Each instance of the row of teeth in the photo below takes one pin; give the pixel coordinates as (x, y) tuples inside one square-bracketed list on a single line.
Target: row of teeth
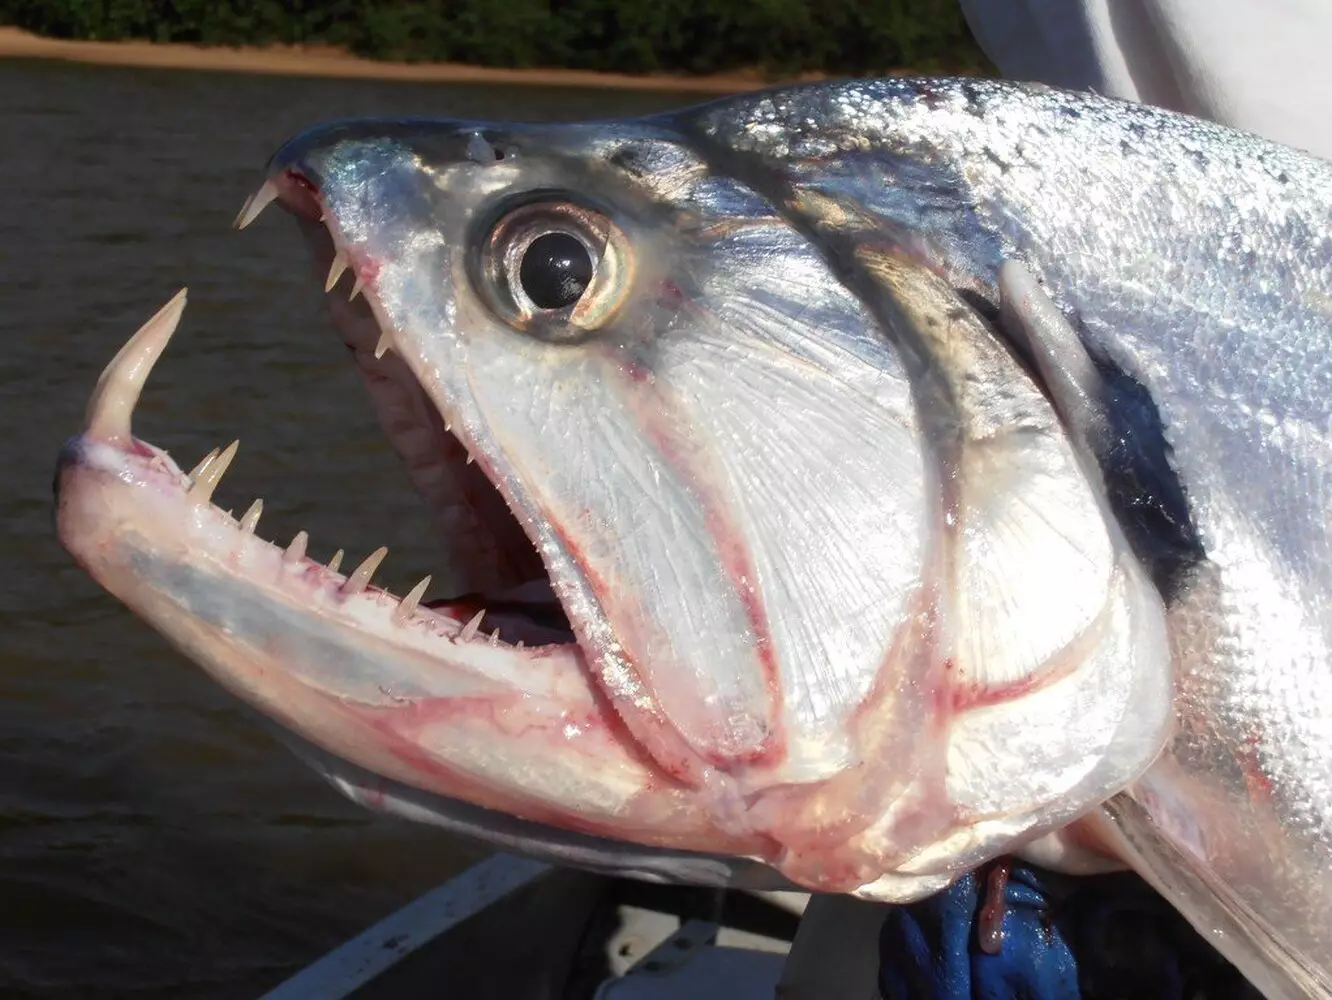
[(257, 202), (204, 478), (108, 419), (357, 582), (264, 197)]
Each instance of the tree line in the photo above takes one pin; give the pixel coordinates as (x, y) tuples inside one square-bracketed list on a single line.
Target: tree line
[(773, 37)]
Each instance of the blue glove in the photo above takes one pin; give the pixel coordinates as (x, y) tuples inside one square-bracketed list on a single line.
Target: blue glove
[(1101, 937)]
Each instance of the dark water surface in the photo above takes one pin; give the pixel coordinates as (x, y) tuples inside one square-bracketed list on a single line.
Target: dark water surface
[(154, 840)]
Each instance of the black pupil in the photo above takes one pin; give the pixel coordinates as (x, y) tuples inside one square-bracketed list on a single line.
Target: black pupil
[(555, 271)]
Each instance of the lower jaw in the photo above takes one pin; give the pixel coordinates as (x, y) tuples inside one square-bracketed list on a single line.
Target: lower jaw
[(137, 502), (428, 702)]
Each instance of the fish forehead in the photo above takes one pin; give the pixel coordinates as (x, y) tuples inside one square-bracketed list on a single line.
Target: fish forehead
[(649, 151)]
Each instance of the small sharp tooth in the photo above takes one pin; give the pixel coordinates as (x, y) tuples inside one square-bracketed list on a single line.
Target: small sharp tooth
[(494, 638), (468, 632), (360, 577), (206, 483), (382, 347), (255, 204), (518, 644), (250, 520), (407, 607), (204, 463), (448, 427), (296, 550), (117, 391), (335, 562), (335, 270), (357, 287), (470, 459)]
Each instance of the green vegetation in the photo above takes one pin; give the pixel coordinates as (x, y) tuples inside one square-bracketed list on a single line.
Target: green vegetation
[(852, 37)]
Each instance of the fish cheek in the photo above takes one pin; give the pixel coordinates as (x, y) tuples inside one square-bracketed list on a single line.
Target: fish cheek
[(1046, 650)]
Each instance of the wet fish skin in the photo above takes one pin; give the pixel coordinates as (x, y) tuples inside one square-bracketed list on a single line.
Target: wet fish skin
[(824, 278), (1197, 262), (1189, 257), (671, 464)]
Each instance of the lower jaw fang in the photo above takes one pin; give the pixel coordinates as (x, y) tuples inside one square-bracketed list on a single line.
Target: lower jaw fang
[(530, 610)]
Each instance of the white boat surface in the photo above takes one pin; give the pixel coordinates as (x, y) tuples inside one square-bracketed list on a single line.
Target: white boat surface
[(513, 928)]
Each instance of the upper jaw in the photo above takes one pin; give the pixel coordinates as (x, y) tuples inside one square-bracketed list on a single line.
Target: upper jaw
[(483, 548), (402, 225), (368, 201)]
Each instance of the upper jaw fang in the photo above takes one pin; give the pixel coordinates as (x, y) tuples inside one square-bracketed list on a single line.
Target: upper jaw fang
[(342, 260), (303, 199), (335, 269), (255, 204)]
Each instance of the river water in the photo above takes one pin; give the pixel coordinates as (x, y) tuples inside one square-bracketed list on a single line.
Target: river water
[(154, 840)]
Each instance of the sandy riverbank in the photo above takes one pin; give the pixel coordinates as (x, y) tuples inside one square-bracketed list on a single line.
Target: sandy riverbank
[(302, 61)]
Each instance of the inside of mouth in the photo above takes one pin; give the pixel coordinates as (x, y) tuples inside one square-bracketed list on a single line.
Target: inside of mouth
[(501, 574), (529, 613), (488, 560), (508, 582)]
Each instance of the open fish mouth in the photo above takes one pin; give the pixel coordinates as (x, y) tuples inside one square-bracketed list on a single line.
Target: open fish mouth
[(495, 666), (760, 543), (505, 601), (528, 612), (303, 640), (500, 586)]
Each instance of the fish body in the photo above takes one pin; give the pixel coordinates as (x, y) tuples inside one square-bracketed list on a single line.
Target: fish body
[(925, 470)]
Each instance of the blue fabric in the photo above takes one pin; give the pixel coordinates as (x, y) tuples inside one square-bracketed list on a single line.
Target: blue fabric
[(1103, 937)]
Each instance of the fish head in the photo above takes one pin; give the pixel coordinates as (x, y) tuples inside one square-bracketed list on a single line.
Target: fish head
[(702, 433), (831, 587)]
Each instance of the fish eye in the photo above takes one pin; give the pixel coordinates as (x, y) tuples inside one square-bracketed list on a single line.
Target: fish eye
[(554, 269)]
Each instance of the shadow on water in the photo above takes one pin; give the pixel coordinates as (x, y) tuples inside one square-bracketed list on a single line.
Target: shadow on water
[(154, 841)]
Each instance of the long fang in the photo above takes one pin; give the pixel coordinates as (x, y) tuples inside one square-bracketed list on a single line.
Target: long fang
[(335, 270)]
